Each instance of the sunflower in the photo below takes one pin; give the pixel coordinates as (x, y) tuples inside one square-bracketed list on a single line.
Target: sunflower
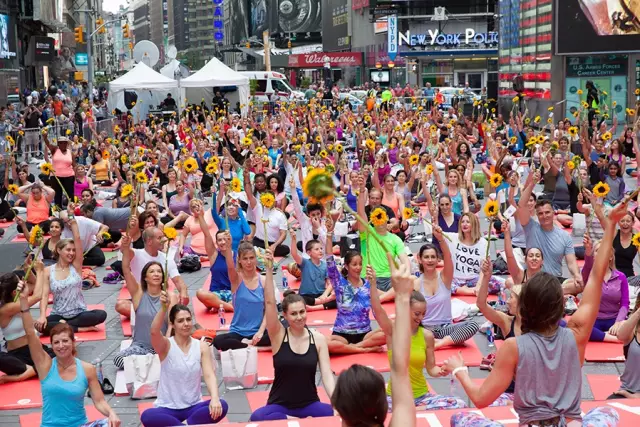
[(379, 217), (36, 234), (636, 240), (318, 138), (190, 165), (318, 185), (550, 109), (515, 99), (614, 104), (138, 166), (550, 120), (332, 125), (323, 154), (527, 121), (215, 129), (13, 189), (429, 169), (584, 104), (409, 124), (142, 178), (407, 213), (577, 160), (573, 131), (297, 147), (10, 139), (46, 169), (106, 155), (211, 168), (126, 190), (367, 118), (339, 148), (601, 189), (631, 112), (491, 209), (236, 185), (170, 233), (571, 165), (267, 200), (106, 235), (513, 139), (433, 129), (51, 121), (140, 151), (606, 136), (579, 92), (413, 160), (124, 159), (555, 145), (496, 180), (370, 143), (537, 119), (246, 141), (532, 141), (259, 151)]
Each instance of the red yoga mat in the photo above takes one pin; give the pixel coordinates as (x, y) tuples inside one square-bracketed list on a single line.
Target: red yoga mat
[(258, 399), (603, 386), (470, 353), (341, 362), (471, 299), (35, 418), (604, 352), (19, 238), (6, 224), (209, 319), (291, 279), (21, 395), (628, 409), (265, 367), (147, 405), (99, 335), (321, 317)]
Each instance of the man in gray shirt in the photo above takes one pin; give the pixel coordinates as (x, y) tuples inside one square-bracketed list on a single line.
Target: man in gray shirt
[(116, 219), (555, 243)]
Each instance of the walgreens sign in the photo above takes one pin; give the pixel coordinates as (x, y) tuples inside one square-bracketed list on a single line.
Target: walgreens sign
[(319, 59)]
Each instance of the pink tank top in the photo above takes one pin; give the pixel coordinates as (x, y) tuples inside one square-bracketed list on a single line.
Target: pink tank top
[(63, 164), (37, 210), (79, 187)]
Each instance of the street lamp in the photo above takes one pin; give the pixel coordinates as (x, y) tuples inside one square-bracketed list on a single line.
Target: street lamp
[(378, 65), (391, 64)]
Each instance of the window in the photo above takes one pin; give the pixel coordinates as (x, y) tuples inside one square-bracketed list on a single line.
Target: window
[(279, 86), (261, 86)]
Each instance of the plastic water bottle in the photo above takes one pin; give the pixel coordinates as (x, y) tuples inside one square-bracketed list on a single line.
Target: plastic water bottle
[(501, 298), (490, 337), (98, 365), (221, 320), (285, 283), (455, 387)]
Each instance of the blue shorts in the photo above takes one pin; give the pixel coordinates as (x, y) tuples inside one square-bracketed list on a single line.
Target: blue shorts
[(224, 295)]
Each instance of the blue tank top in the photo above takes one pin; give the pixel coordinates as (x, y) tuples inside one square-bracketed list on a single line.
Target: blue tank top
[(219, 275), (456, 201), (249, 310), (63, 401), (352, 200)]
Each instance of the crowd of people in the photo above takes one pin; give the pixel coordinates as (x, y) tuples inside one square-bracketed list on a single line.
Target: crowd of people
[(342, 193)]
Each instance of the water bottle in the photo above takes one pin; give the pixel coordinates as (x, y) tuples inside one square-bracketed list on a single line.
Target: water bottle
[(501, 299), (285, 283), (490, 337), (455, 387), (98, 365), (221, 320)]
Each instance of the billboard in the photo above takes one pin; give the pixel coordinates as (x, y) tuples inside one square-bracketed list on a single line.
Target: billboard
[(7, 39), (239, 21), (335, 26), (285, 16), (597, 26)]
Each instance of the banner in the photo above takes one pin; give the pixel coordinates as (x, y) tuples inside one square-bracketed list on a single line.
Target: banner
[(597, 26), (335, 26), (317, 60)]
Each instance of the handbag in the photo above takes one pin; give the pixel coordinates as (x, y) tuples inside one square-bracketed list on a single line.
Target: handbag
[(240, 368), (142, 375)]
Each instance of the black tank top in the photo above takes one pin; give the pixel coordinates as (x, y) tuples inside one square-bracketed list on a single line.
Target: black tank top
[(624, 256), (294, 384), (512, 334)]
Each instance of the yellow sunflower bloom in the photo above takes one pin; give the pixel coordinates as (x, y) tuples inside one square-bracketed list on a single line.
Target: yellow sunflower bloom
[(413, 160), (323, 154), (142, 178), (13, 189), (636, 240), (259, 151), (496, 180), (139, 166), (236, 185), (429, 169), (35, 235), (491, 208), (190, 165), (339, 148), (246, 141), (370, 143), (126, 190), (170, 233), (46, 169), (124, 159), (407, 213), (606, 136), (579, 92), (573, 131), (211, 168), (318, 186), (379, 217), (601, 189), (267, 200)]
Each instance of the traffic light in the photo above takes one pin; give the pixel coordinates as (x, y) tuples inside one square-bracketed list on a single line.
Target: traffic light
[(100, 25), (130, 46), (247, 45), (78, 34), (289, 44), (125, 31)]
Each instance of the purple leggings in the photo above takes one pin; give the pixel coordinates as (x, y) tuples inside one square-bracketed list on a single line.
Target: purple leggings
[(196, 414), (601, 327), (279, 412)]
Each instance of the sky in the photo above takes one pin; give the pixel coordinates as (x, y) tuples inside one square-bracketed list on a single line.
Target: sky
[(113, 5)]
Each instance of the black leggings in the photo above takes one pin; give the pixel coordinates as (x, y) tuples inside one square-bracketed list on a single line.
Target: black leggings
[(310, 299), (95, 257), (15, 362), (85, 319), (44, 225), (67, 183), (115, 237), (281, 250), (233, 341)]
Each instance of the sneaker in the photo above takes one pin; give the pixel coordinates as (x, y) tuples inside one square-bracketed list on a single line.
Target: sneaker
[(487, 362), (570, 305), (113, 278)]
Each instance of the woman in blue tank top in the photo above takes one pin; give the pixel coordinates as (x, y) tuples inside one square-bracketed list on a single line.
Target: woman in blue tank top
[(64, 380), (543, 346), (248, 324)]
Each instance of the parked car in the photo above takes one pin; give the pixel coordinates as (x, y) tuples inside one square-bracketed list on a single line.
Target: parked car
[(449, 93)]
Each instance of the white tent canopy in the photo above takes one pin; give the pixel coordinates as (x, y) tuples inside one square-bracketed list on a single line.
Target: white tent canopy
[(216, 74), (142, 77)]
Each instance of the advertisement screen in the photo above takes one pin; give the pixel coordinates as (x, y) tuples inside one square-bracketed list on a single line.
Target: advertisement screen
[(335, 26), (239, 21), (597, 26), (285, 16), (7, 41), (379, 76)]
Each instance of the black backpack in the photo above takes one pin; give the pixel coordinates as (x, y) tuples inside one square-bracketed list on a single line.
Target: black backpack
[(189, 263)]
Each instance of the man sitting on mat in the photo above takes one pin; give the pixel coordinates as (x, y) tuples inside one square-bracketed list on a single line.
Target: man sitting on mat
[(315, 287)]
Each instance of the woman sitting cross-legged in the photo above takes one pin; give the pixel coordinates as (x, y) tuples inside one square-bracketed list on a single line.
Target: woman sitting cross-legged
[(64, 380), (436, 289), (422, 353), (629, 333), (297, 353), (64, 281), (248, 324), (541, 396), (533, 259), (185, 361), (145, 297), (17, 363), (352, 329)]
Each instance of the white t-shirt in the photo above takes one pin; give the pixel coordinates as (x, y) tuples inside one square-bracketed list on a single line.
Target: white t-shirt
[(88, 229), (467, 260), (141, 258), (277, 222)]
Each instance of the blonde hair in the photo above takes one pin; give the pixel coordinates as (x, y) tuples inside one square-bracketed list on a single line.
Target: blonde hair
[(62, 243), (460, 182), (475, 227)]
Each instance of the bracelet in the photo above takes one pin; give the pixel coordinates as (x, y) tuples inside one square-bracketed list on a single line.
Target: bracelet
[(461, 368)]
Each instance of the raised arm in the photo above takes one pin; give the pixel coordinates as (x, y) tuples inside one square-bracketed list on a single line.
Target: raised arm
[(522, 212), (131, 282), (378, 312), (516, 273), (501, 319), (274, 327), (39, 356), (447, 272), (159, 342), (198, 213)]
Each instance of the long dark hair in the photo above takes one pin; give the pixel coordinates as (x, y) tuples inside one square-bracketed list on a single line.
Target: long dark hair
[(8, 284), (175, 310), (348, 257), (541, 303), (360, 398), (143, 275)]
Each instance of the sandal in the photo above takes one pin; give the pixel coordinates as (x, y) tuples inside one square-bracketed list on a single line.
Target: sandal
[(487, 362)]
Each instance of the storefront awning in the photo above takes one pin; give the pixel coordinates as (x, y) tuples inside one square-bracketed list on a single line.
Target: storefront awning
[(451, 52)]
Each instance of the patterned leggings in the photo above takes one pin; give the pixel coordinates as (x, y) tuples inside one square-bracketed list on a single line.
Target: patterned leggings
[(597, 417), (495, 283), (459, 332), (135, 349), (435, 401), (99, 423)]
